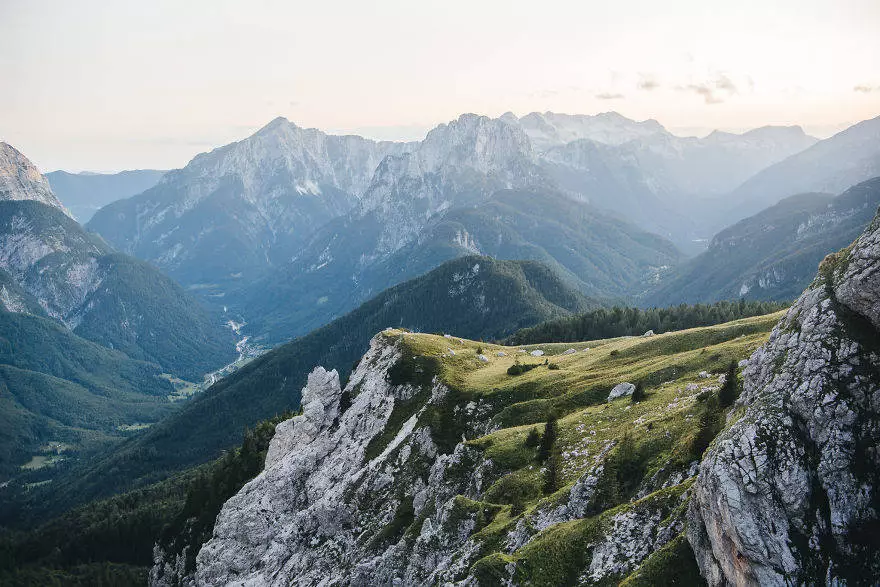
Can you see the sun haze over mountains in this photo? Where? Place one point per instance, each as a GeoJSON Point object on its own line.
{"type": "Point", "coordinates": [462, 293]}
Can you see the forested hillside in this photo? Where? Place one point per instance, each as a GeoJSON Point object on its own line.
{"type": "Point", "coordinates": [772, 255]}
{"type": "Point", "coordinates": [625, 321]}
{"type": "Point", "coordinates": [62, 396]}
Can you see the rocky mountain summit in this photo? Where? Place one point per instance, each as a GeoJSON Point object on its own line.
{"type": "Point", "coordinates": [245, 206]}
{"type": "Point", "coordinates": [790, 492]}
{"type": "Point", "coordinates": [21, 180]}
{"type": "Point", "coordinates": [318, 208]}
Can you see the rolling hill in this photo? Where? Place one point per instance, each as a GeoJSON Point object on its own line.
{"type": "Point", "coordinates": [63, 395]}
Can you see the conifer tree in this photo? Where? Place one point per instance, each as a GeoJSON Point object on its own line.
{"type": "Point", "coordinates": [729, 391]}
{"type": "Point", "coordinates": [548, 440]}
{"type": "Point", "coordinates": [638, 393]}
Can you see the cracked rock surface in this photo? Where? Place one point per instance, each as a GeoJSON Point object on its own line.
{"type": "Point", "coordinates": [788, 494]}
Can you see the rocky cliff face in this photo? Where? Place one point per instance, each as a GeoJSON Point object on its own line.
{"type": "Point", "coordinates": [21, 180]}
{"type": "Point", "coordinates": [50, 258]}
{"type": "Point", "coordinates": [788, 494]}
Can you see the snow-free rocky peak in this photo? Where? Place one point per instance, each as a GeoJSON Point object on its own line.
{"type": "Point", "coordinates": [21, 180]}
{"type": "Point", "coordinates": [309, 156]}
{"type": "Point", "coordinates": [551, 129]}
{"type": "Point", "coordinates": [472, 155]}
{"type": "Point", "coordinates": [244, 207]}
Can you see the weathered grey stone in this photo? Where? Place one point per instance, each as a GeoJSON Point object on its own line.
{"type": "Point", "coordinates": [786, 494]}
{"type": "Point", "coordinates": [620, 390]}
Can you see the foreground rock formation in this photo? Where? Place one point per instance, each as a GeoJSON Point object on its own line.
{"type": "Point", "coordinates": [788, 494]}
{"type": "Point", "coordinates": [425, 468]}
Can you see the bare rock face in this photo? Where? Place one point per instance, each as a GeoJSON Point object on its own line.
{"type": "Point", "coordinates": [334, 482]}
{"type": "Point", "coordinates": [788, 494]}
{"type": "Point", "coordinates": [21, 180]}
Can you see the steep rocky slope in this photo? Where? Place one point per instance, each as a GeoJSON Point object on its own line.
{"type": "Point", "coordinates": [50, 266]}
{"type": "Point", "coordinates": [246, 206]}
{"type": "Point", "coordinates": [420, 470]}
{"type": "Point", "coordinates": [772, 255]}
{"type": "Point", "coordinates": [790, 493]}
{"type": "Point", "coordinates": [21, 180]}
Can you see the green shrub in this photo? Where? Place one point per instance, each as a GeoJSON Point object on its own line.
{"type": "Point", "coordinates": [551, 473]}
{"type": "Point", "coordinates": [638, 393]}
{"type": "Point", "coordinates": [533, 439]}
{"type": "Point", "coordinates": [519, 369]}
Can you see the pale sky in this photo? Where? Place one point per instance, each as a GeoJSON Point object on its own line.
{"type": "Point", "coordinates": [121, 84]}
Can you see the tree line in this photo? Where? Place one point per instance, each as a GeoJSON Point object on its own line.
{"type": "Point", "coordinates": [626, 321]}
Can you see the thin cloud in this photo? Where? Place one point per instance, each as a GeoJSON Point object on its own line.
{"type": "Point", "coordinates": [714, 91]}
{"type": "Point", "coordinates": [648, 83]}
{"type": "Point", "coordinates": [866, 89]}
{"type": "Point", "coordinates": [607, 96]}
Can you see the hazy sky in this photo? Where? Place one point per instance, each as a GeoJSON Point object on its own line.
{"type": "Point", "coordinates": [135, 84]}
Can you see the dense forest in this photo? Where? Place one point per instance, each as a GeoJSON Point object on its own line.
{"type": "Point", "coordinates": [110, 542]}
{"type": "Point", "coordinates": [622, 321]}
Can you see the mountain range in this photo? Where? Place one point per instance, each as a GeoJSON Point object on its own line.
{"type": "Point", "coordinates": [830, 166]}
{"type": "Point", "coordinates": [424, 451]}
{"type": "Point", "coordinates": [292, 227]}
{"type": "Point", "coordinates": [84, 193]}
{"type": "Point", "coordinates": [772, 255]}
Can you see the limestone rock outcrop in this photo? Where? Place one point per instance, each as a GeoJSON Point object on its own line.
{"type": "Point", "coordinates": [788, 494]}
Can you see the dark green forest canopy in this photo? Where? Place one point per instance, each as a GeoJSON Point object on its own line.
{"type": "Point", "coordinates": [625, 321]}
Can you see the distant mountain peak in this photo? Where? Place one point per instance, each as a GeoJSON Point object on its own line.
{"type": "Point", "coordinates": [21, 180]}
{"type": "Point", "coordinates": [550, 129]}
{"type": "Point", "coordinates": [275, 123]}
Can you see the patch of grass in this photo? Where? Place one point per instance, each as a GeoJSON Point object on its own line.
{"type": "Point", "coordinates": [404, 516]}
{"type": "Point", "coordinates": [403, 410]}
{"type": "Point", "coordinates": [638, 442]}
{"type": "Point", "coordinates": [673, 564]}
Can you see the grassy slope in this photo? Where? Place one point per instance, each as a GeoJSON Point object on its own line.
{"type": "Point", "coordinates": [659, 431]}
